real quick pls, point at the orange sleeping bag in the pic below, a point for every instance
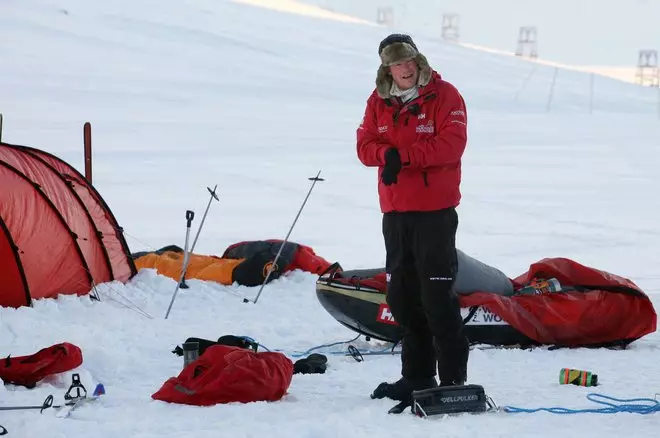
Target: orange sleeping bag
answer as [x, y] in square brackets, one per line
[246, 263]
[201, 267]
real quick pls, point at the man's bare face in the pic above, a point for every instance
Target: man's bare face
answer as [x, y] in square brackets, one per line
[405, 74]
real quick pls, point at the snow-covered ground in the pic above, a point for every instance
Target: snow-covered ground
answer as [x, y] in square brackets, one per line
[188, 94]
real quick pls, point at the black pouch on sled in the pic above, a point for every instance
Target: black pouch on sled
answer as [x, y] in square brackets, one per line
[232, 340]
[203, 345]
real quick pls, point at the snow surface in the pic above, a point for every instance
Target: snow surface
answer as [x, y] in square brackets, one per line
[188, 94]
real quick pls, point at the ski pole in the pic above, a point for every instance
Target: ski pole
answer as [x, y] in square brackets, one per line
[25, 408]
[272, 265]
[201, 224]
[70, 400]
[189, 218]
[199, 230]
[48, 403]
[186, 253]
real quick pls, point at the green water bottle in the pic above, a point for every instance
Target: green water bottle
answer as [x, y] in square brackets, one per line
[568, 376]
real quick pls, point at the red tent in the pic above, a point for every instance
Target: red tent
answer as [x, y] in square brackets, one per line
[57, 235]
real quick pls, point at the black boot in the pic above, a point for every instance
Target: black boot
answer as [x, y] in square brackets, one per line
[402, 389]
[452, 363]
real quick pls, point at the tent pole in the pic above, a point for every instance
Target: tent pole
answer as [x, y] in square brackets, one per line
[87, 140]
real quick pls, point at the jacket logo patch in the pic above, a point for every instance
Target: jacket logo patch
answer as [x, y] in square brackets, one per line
[425, 129]
[422, 116]
[457, 113]
[382, 129]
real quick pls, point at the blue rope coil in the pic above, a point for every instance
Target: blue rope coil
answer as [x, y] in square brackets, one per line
[641, 406]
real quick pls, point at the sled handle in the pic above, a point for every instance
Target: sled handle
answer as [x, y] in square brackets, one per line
[332, 270]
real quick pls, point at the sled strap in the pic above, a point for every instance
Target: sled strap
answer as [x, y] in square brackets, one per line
[469, 316]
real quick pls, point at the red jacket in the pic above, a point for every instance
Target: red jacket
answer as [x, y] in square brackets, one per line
[430, 133]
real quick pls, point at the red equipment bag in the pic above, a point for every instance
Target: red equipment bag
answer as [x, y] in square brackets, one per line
[28, 370]
[225, 374]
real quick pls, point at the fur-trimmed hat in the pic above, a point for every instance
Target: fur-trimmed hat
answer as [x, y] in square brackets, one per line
[395, 49]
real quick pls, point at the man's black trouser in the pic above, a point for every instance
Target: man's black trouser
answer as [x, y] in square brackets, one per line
[421, 266]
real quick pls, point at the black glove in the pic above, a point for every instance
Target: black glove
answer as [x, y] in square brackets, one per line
[315, 363]
[392, 166]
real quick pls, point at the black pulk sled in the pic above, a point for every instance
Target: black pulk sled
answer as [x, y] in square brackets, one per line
[451, 400]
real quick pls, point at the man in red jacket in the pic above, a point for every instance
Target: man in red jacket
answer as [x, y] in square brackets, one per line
[415, 131]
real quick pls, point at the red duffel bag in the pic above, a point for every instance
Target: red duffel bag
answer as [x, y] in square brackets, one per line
[28, 370]
[225, 374]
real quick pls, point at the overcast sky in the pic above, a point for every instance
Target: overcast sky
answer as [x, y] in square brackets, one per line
[584, 32]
